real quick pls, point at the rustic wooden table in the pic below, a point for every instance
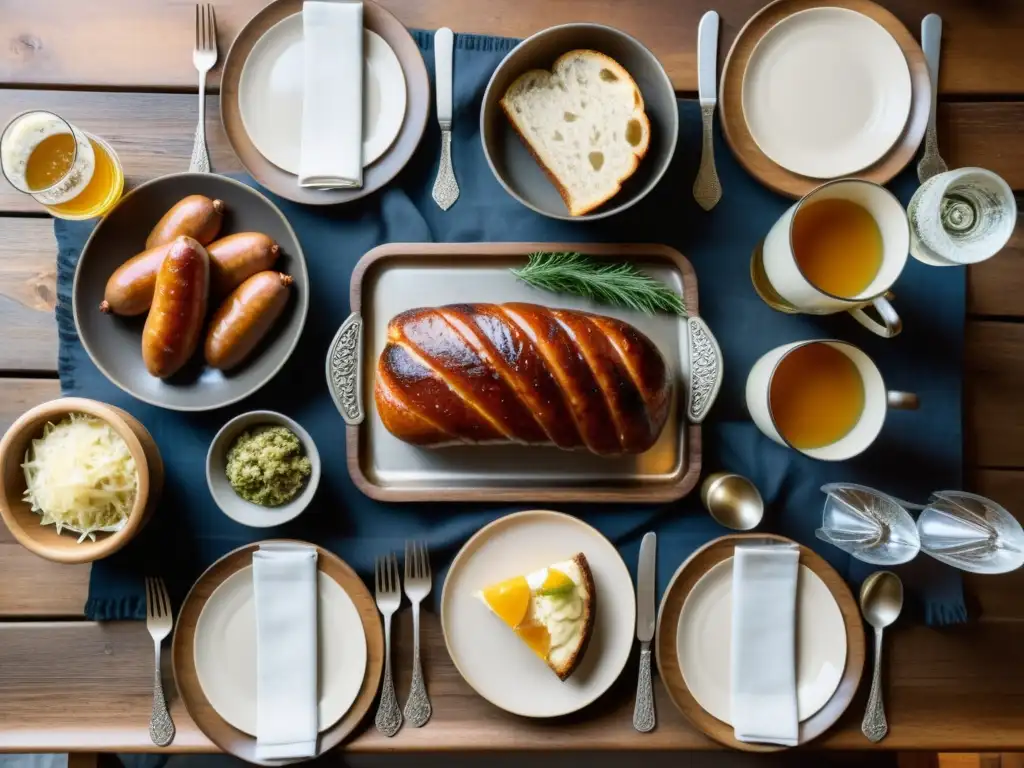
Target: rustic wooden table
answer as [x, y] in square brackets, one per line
[123, 69]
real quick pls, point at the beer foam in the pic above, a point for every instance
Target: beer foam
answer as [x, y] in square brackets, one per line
[27, 132]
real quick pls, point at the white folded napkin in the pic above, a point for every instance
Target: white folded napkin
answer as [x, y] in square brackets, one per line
[764, 644]
[331, 155]
[284, 585]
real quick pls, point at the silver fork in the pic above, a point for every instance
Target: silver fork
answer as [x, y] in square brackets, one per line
[203, 57]
[389, 597]
[158, 622]
[417, 587]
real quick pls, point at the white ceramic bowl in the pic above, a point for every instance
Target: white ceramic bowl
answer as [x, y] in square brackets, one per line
[233, 505]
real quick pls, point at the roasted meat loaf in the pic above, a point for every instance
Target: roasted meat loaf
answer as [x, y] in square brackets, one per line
[521, 373]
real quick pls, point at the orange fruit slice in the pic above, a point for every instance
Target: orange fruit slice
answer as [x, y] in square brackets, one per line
[510, 599]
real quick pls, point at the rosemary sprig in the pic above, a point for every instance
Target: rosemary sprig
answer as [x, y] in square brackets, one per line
[618, 284]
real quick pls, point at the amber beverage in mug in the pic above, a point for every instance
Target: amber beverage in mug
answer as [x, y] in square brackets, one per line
[74, 174]
[823, 398]
[839, 249]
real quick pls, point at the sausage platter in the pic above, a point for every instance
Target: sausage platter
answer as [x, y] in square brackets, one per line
[397, 277]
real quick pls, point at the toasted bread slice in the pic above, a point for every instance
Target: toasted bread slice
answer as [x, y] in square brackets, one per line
[551, 610]
[584, 122]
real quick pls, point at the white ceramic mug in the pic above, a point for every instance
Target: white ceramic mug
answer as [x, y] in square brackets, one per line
[877, 400]
[790, 291]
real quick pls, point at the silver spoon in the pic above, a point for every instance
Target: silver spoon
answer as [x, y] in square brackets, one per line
[732, 500]
[881, 600]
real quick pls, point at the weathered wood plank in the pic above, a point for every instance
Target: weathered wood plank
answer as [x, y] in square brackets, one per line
[993, 407]
[56, 43]
[984, 134]
[28, 293]
[997, 597]
[995, 287]
[152, 133]
[80, 685]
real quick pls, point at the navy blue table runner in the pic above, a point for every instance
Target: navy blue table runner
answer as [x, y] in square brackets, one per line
[917, 452]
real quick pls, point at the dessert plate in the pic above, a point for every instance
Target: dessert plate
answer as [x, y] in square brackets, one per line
[271, 91]
[494, 661]
[225, 651]
[826, 92]
[704, 642]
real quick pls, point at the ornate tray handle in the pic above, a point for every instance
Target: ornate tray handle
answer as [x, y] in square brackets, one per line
[344, 368]
[705, 369]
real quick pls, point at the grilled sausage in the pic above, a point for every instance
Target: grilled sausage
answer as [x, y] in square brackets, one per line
[175, 321]
[236, 258]
[195, 216]
[129, 290]
[245, 317]
[233, 258]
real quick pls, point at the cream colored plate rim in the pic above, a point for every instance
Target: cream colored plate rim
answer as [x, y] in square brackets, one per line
[222, 657]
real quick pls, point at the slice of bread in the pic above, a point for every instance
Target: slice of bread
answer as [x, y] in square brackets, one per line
[584, 122]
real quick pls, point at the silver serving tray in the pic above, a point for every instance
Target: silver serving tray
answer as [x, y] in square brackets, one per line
[393, 278]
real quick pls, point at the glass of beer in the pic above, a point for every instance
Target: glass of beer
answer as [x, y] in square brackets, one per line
[74, 174]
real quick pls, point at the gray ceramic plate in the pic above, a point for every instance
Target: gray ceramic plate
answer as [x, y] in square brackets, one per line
[512, 163]
[115, 343]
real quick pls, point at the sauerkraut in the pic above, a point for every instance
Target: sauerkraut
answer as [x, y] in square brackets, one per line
[80, 475]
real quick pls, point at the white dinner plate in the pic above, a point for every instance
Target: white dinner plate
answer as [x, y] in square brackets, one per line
[492, 659]
[270, 94]
[704, 642]
[826, 92]
[225, 651]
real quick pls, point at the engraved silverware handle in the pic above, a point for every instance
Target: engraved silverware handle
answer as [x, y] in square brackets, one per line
[389, 715]
[874, 725]
[643, 710]
[707, 189]
[200, 162]
[417, 708]
[161, 727]
[446, 188]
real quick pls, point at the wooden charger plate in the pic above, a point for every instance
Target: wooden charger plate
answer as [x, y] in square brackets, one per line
[376, 175]
[689, 573]
[734, 123]
[226, 737]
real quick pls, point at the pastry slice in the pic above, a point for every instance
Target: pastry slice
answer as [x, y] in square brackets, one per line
[551, 610]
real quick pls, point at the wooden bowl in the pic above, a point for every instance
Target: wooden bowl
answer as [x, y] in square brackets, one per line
[44, 540]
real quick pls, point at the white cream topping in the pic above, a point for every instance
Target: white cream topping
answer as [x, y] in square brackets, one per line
[561, 614]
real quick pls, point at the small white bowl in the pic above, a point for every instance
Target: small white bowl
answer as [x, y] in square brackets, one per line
[233, 505]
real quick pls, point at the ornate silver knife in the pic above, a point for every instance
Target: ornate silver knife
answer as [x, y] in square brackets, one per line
[643, 711]
[446, 189]
[707, 189]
